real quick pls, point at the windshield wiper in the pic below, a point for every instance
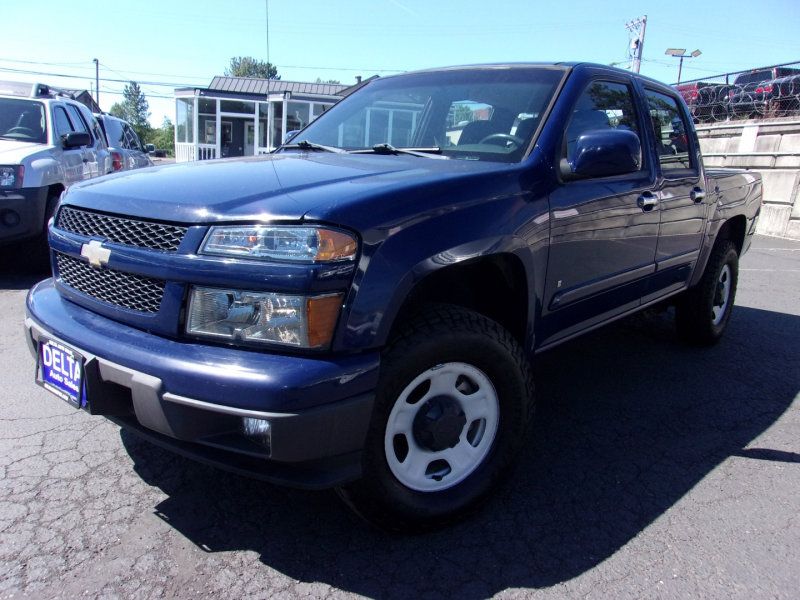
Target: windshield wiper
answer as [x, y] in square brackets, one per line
[389, 149]
[306, 145]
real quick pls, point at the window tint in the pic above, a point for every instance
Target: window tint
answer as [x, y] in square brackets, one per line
[113, 132]
[603, 105]
[467, 114]
[131, 140]
[671, 135]
[77, 121]
[22, 120]
[63, 126]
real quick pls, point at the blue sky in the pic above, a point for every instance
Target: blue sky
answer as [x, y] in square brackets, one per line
[187, 42]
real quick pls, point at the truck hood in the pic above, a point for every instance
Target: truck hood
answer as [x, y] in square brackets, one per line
[276, 187]
[13, 152]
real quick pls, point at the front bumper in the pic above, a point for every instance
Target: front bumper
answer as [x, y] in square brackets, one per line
[192, 397]
[22, 213]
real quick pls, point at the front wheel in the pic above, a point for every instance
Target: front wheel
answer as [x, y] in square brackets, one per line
[452, 407]
[703, 312]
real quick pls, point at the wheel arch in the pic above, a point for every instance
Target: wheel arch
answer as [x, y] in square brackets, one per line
[495, 286]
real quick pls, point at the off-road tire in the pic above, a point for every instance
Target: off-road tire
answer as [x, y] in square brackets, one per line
[694, 317]
[442, 334]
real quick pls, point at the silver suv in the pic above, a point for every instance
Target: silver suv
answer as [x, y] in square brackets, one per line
[127, 150]
[48, 141]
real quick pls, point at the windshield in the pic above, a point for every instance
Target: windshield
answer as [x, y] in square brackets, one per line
[488, 113]
[22, 120]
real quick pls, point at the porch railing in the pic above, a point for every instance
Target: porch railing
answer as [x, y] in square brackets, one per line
[191, 152]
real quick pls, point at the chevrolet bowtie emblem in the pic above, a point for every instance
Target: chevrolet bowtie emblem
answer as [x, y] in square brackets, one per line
[95, 253]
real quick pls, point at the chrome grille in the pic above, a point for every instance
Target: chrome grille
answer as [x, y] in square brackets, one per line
[115, 287]
[130, 232]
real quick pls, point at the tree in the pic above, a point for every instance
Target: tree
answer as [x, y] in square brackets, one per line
[164, 137]
[334, 81]
[247, 66]
[134, 109]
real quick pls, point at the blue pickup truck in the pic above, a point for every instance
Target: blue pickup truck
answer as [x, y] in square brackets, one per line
[359, 309]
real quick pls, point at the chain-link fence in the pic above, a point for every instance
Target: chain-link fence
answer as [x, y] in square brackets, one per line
[763, 93]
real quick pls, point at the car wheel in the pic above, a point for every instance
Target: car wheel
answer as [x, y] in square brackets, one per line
[452, 407]
[703, 312]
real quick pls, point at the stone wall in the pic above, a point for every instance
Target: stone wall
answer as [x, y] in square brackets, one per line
[771, 148]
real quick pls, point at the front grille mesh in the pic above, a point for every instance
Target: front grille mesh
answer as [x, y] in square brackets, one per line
[115, 287]
[130, 232]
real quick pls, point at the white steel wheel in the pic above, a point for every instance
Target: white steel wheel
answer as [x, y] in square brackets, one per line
[441, 427]
[722, 295]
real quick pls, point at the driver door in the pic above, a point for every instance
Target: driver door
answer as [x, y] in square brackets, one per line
[603, 230]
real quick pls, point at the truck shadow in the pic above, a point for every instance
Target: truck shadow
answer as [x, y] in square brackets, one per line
[20, 268]
[629, 421]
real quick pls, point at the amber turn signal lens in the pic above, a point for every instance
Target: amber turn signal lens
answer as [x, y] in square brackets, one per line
[322, 313]
[335, 245]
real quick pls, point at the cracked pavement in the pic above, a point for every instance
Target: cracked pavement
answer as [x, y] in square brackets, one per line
[654, 470]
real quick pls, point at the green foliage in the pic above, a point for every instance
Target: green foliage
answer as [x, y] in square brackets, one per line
[333, 81]
[463, 112]
[164, 137]
[135, 110]
[247, 66]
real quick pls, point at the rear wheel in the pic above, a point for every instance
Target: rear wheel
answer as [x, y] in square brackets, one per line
[703, 312]
[451, 411]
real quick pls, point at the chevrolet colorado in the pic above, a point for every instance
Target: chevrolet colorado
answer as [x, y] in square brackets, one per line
[359, 309]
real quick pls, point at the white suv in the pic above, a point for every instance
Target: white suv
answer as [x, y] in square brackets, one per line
[48, 141]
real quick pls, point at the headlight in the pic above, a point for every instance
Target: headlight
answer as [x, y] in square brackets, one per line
[276, 242]
[11, 176]
[263, 317]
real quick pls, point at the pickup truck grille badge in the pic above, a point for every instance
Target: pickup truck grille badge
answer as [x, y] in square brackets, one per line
[127, 290]
[129, 232]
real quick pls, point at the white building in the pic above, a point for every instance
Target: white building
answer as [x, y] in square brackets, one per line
[243, 116]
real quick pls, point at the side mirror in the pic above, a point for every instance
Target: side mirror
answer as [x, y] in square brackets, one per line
[150, 148]
[76, 139]
[602, 153]
[289, 135]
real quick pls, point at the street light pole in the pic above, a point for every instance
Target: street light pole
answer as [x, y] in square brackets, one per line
[681, 54]
[97, 80]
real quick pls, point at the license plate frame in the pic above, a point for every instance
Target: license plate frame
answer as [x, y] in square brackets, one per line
[60, 369]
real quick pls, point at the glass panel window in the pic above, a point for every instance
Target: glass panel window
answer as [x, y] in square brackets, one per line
[207, 128]
[670, 135]
[237, 106]
[297, 115]
[277, 124]
[184, 120]
[207, 106]
[263, 120]
[319, 109]
[603, 105]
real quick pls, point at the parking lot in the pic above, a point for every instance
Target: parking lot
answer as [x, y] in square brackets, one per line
[654, 471]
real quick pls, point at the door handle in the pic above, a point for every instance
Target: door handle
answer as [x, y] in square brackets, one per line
[697, 194]
[647, 201]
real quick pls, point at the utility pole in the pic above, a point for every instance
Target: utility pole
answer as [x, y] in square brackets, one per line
[637, 28]
[97, 80]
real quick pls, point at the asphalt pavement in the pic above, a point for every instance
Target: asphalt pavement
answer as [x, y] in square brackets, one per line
[654, 470]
